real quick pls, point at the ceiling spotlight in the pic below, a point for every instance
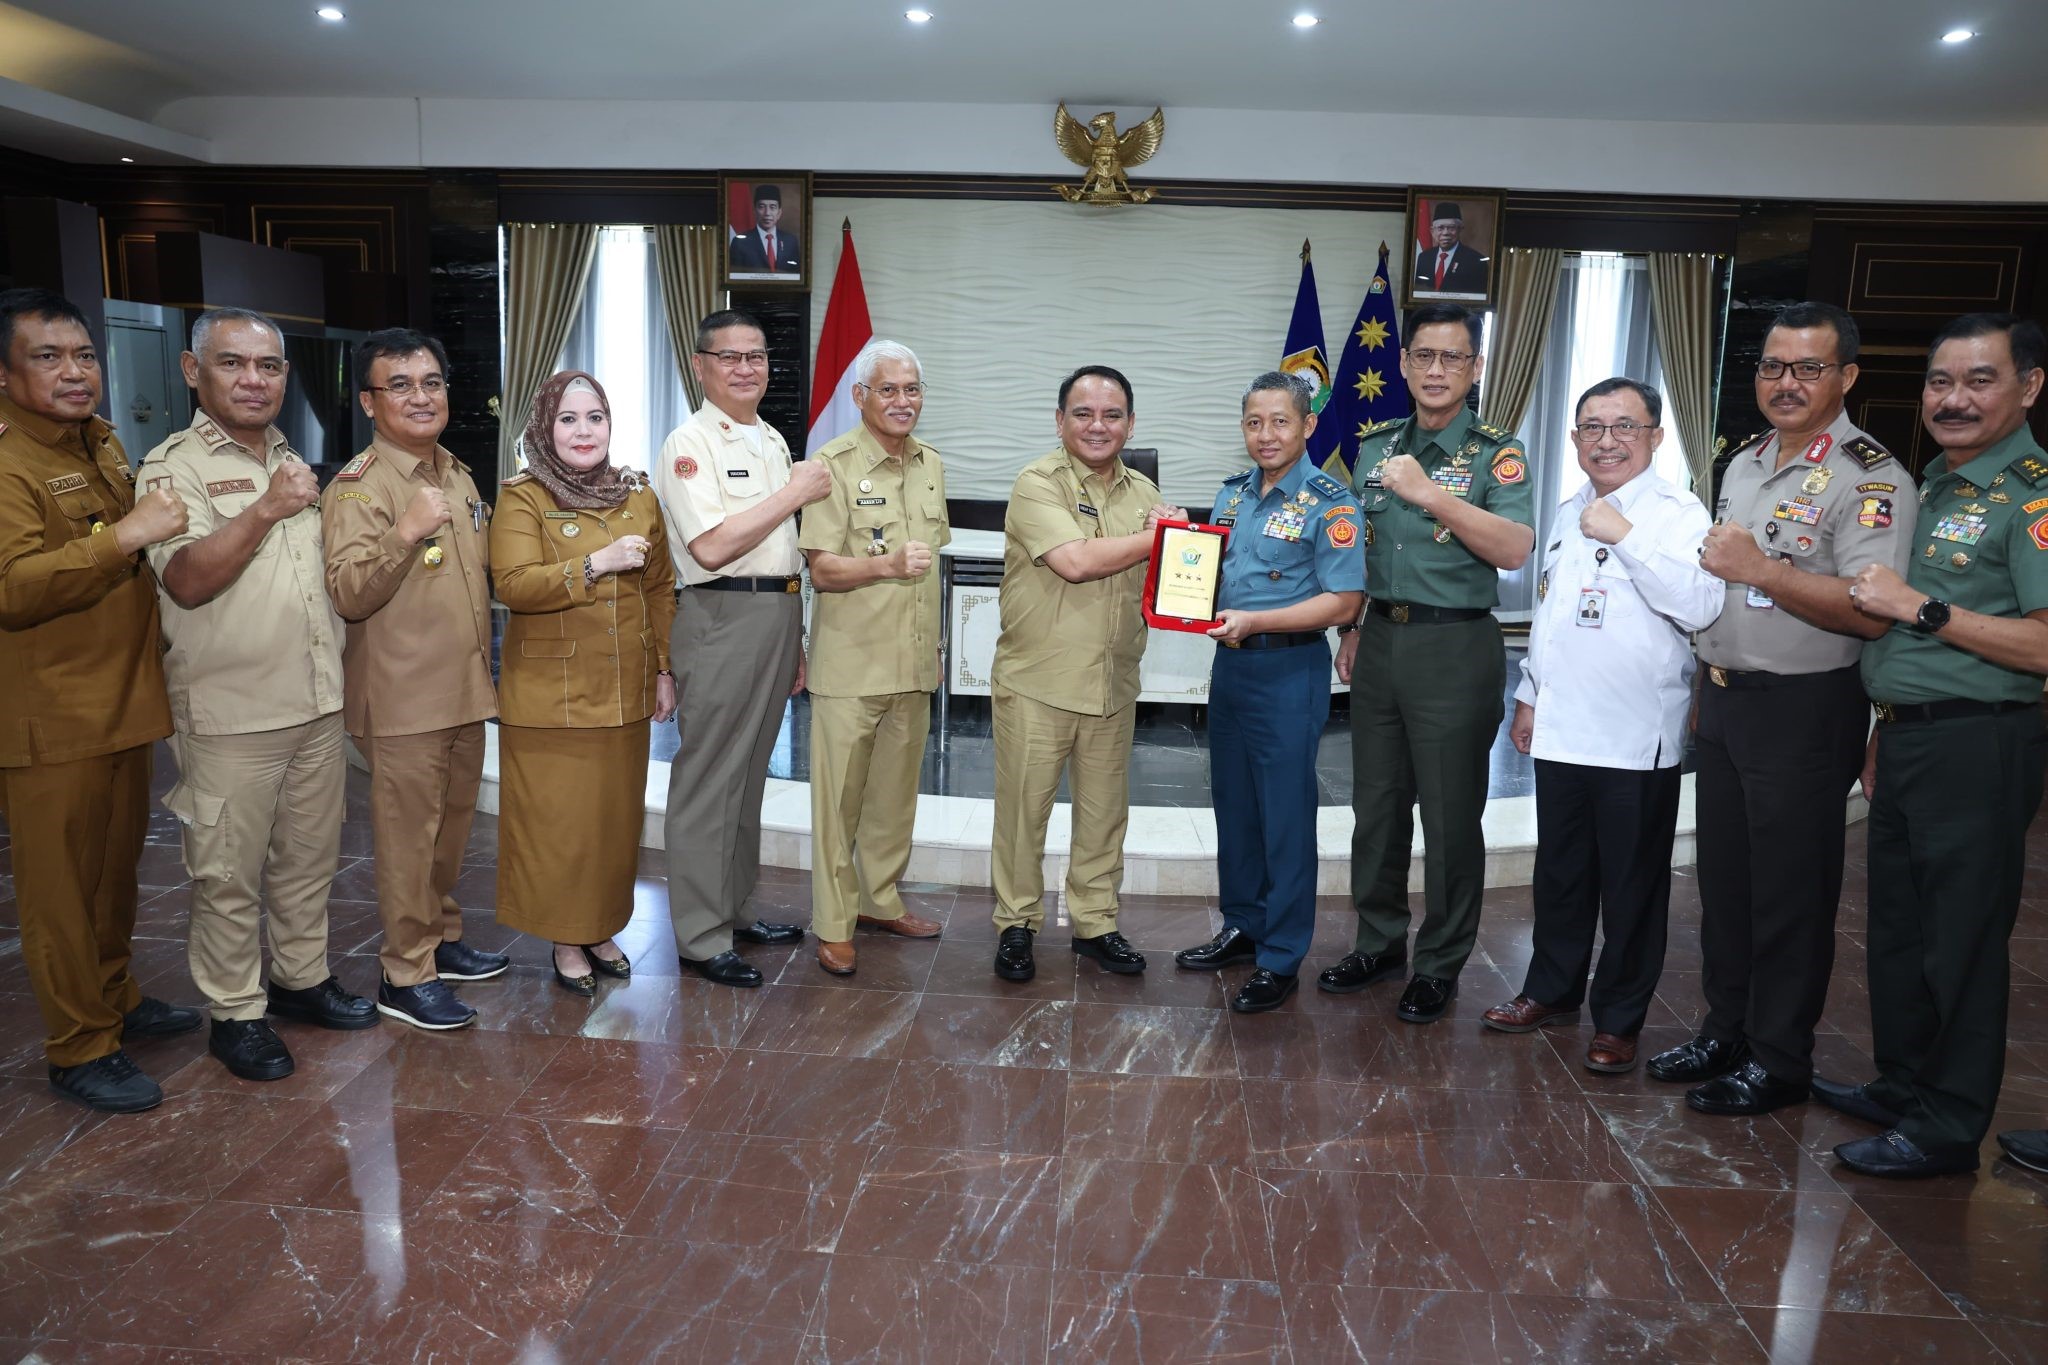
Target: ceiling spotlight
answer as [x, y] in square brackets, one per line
[1958, 35]
[331, 14]
[918, 16]
[128, 160]
[1306, 21]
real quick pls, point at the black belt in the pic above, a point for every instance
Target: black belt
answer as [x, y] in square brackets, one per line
[793, 583]
[1738, 678]
[1892, 713]
[1278, 639]
[1415, 614]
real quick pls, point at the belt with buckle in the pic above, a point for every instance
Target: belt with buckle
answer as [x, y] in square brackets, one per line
[793, 583]
[1739, 677]
[1277, 639]
[1892, 713]
[1415, 614]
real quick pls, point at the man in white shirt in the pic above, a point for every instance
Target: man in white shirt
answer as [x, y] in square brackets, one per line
[1602, 707]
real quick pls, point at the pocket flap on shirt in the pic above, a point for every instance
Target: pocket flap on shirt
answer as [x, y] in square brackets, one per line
[194, 807]
[81, 504]
[547, 649]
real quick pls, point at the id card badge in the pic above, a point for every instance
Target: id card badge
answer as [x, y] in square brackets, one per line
[1755, 598]
[1592, 612]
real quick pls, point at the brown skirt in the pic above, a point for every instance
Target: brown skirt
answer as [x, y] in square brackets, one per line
[570, 808]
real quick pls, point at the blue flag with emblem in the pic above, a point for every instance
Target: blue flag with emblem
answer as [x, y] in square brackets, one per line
[1367, 386]
[1303, 355]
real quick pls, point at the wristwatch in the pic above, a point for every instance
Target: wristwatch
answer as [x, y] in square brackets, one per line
[1933, 615]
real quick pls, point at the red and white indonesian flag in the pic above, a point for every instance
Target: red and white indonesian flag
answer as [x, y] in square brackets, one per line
[847, 329]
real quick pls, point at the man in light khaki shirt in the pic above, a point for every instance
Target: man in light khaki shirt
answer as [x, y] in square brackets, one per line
[253, 663]
[408, 567]
[874, 653]
[1078, 536]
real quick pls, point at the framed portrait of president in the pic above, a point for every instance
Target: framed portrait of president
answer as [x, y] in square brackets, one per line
[767, 220]
[1453, 241]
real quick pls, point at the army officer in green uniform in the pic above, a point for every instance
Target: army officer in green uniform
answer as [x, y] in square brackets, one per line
[1956, 763]
[1446, 505]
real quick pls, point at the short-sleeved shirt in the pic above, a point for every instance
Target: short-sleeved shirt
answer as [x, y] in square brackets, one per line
[1409, 555]
[1296, 541]
[882, 637]
[1075, 646]
[1840, 504]
[81, 671]
[1981, 543]
[711, 468]
[265, 652]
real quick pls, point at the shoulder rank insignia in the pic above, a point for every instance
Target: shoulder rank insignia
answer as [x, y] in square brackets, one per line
[354, 468]
[1327, 486]
[1379, 428]
[65, 483]
[1239, 477]
[522, 476]
[1749, 443]
[2031, 468]
[206, 431]
[1495, 432]
[1866, 452]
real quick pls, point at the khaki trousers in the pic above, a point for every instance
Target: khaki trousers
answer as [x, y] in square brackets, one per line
[77, 830]
[261, 812]
[1035, 743]
[865, 754]
[422, 798]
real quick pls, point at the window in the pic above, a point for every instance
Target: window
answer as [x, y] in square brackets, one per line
[621, 336]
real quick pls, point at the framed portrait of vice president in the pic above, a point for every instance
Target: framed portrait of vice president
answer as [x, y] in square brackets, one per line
[767, 236]
[1453, 241]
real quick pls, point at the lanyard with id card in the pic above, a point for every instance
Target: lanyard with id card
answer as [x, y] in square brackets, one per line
[1592, 609]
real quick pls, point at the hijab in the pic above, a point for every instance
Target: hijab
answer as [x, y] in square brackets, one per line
[607, 485]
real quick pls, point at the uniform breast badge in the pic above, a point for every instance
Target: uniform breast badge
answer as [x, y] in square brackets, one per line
[570, 530]
[433, 557]
[1816, 480]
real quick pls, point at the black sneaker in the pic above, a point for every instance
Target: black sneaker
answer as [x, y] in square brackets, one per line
[1113, 951]
[429, 1005]
[251, 1049]
[458, 961]
[112, 1083]
[155, 1019]
[1013, 955]
[326, 1005]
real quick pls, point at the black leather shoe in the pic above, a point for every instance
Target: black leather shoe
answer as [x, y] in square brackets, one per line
[768, 933]
[429, 1005]
[727, 969]
[1013, 955]
[1356, 971]
[1853, 1101]
[1898, 1157]
[2028, 1146]
[155, 1019]
[1749, 1089]
[458, 961]
[326, 1005]
[1702, 1059]
[1229, 945]
[1113, 951]
[251, 1049]
[112, 1083]
[584, 985]
[1263, 991]
[618, 968]
[1426, 999]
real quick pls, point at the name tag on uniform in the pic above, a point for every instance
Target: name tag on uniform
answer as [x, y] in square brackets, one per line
[560, 516]
[1592, 612]
[1086, 510]
[223, 487]
[739, 473]
[870, 502]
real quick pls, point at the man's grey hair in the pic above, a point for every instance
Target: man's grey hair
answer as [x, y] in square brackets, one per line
[203, 327]
[1653, 402]
[875, 352]
[1279, 381]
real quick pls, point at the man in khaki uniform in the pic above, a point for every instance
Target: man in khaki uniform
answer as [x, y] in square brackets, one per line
[874, 653]
[253, 662]
[81, 697]
[1078, 536]
[408, 567]
[730, 495]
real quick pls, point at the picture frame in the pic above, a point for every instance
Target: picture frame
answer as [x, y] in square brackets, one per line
[1473, 236]
[746, 221]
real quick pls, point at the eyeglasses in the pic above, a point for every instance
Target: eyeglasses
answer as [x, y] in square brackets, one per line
[433, 386]
[890, 392]
[1453, 361]
[734, 359]
[1626, 431]
[1804, 370]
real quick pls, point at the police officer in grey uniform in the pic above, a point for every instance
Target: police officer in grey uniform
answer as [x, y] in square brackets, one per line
[1782, 714]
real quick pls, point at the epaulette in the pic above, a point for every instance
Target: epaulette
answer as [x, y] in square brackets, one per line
[2031, 469]
[1241, 476]
[1327, 486]
[354, 468]
[1753, 442]
[521, 477]
[1377, 427]
[461, 466]
[1494, 432]
[207, 431]
[1866, 452]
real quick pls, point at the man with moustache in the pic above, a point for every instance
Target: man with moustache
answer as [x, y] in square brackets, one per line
[1955, 767]
[1782, 716]
[1447, 265]
[1078, 537]
[408, 567]
[253, 660]
[81, 698]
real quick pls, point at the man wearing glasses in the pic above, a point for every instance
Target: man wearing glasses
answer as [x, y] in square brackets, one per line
[1782, 716]
[408, 568]
[1446, 504]
[730, 494]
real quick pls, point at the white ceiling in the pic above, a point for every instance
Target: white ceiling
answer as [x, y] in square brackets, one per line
[1821, 61]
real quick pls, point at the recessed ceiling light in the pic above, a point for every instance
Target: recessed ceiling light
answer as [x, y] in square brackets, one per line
[129, 160]
[1306, 21]
[1958, 35]
[918, 16]
[330, 13]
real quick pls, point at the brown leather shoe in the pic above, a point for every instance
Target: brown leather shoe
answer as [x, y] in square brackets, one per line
[1611, 1052]
[1524, 1015]
[836, 958]
[905, 925]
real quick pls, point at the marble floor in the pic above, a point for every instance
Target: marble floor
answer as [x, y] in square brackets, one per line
[921, 1162]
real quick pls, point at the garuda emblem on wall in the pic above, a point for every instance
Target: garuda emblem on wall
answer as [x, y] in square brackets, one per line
[1107, 154]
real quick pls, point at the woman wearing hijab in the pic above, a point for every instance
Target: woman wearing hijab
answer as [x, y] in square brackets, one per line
[579, 556]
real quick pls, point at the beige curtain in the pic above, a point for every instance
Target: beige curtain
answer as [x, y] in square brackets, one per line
[1524, 303]
[687, 257]
[1682, 308]
[547, 266]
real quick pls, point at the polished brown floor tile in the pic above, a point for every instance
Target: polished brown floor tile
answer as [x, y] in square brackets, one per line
[1151, 1218]
[600, 1080]
[62, 1247]
[475, 1071]
[1161, 983]
[1152, 1318]
[35, 1122]
[991, 1032]
[1462, 1055]
[323, 1061]
[1176, 1119]
[1354, 1323]
[1806, 1334]
[830, 1023]
[984, 1108]
[1801, 1249]
[789, 1094]
[751, 1192]
[702, 1305]
[1987, 1257]
[586, 1176]
[992, 1208]
[1672, 1144]
[1305, 1046]
[885, 963]
[1385, 1231]
[879, 1309]
[361, 1158]
[1570, 1329]
[1596, 1241]
[1152, 1040]
[191, 1147]
[963, 968]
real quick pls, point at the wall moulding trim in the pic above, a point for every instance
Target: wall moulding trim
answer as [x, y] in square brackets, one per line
[1197, 193]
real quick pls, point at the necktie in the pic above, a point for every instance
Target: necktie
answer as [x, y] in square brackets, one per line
[1443, 259]
[771, 250]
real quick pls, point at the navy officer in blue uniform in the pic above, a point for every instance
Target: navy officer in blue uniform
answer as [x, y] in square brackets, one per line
[1294, 567]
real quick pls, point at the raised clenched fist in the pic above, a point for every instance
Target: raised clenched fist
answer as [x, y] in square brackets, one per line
[424, 515]
[158, 515]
